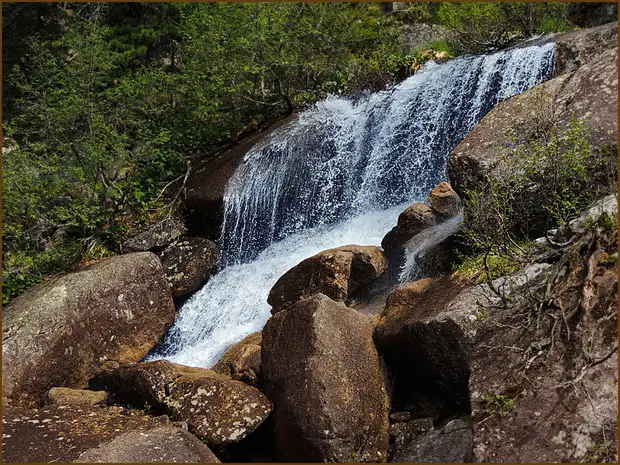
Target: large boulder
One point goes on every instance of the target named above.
(95, 434)
(576, 48)
(60, 333)
(243, 361)
(324, 376)
(537, 391)
(336, 273)
(188, 263)
(590, 94)
(156, 236)
(217, 409)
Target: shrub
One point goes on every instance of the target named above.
(478, 27)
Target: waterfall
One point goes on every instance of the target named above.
(339, 174)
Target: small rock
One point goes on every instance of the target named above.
(67, 396)
(400, 416)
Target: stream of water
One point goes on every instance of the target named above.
(339, 174)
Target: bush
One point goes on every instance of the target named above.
(479, 27)
(541, 184)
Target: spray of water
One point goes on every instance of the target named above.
(420, 244)
(339, 174)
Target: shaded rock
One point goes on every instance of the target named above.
(590, 14)
(324, 376)
(576, 48)
(188, 263)
(139, 384)
(400, 416)
(217, 409)
(61, 332)
(243, 361)
(416, 37)
(444, 200)
(62, 433)
(453, 443)
(165, 444)
(336, 273)
(156, 236)
(67, 396)
(590, 94)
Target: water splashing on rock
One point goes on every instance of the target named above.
(339, 174)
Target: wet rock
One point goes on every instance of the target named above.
(576, 48)
(156, 236)
(61, 332)
(590, 94)
(165, 444)
(218, 410)
(413, 220)
(60, 433)
(336, 273)
(243, 361)
(323, 374)
(188, 263)
(206, 185)
(67, 396)
(444, 201)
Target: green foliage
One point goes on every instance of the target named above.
(108, 101)
(483, 268)
(497, 404)
(543, 183)
(478, 27)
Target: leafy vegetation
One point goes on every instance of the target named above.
(544, 183)
(105, 104)
(478, 27)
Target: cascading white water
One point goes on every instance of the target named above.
(420, 244)
(339, 174)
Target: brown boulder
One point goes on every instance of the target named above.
(165, 444)
(95, 434)
(590, 94)
(188, 263)
(67, 396)
(217, 409)
(60, 333)
(324, 376)
(444, 200)
(243, 361)
(576, 48)
(413, 220)
(336, 273)
(533, 391)
(156, 235)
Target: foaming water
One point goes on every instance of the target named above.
(339, 174)
(237, 296)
